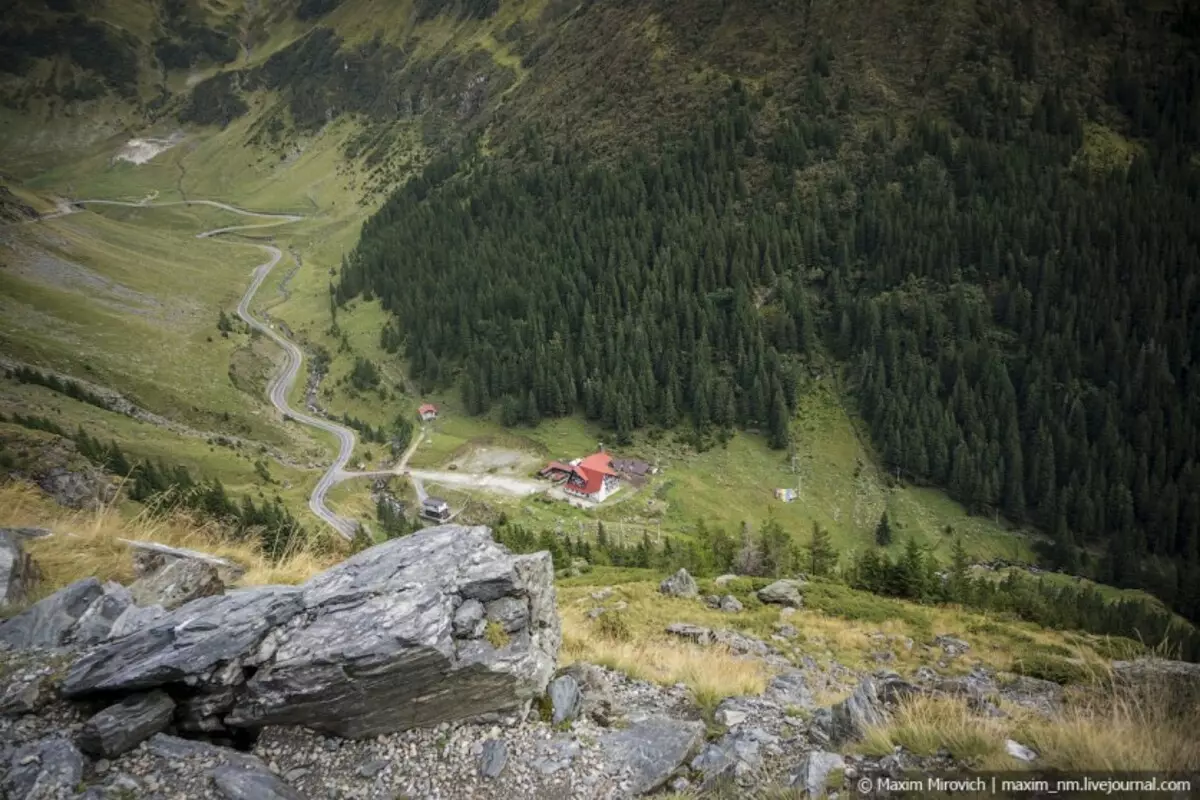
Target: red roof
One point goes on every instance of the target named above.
(557, 466)
(592, 481)
(598, 462)
(427, 408)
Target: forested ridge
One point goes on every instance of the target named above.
(1017, 318)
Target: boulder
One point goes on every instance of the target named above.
(1034, 694)
(737, 642)
(722, 580)
(236, 782)
(493, 758)
(812, 774)
(783, 593)
(18, 573)
(365, 648)
(135, 618)
(565, 699)
(43, 770)
(861, 710)
(649, 751)
(681, 584)
(122, 727)
(49, 622)
(730, 604)
(1180, 679)
(179, 582)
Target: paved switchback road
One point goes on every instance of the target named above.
(281, 384)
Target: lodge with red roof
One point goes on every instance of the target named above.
(427, 412)
(592, 478)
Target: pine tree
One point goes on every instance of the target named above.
(780, 436)
(821, 556)
(883, 531)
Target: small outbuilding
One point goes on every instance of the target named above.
(436, 509)
(427, 412)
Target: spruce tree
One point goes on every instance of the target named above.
(821, 556)
(883, 531)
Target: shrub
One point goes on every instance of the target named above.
(613, 625)
(1052, 668)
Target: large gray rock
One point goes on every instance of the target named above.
(565, 699)
(18, 573)
(1178, 679)
(43, 770)
(367, 647)
(789, 689)
(735, 641)
(784, 593)
(50, 621)
(469, 620)
(813, 773)
(681, 584)
(650, 750)
(179, 582)
(122, 727)
(134, 618)
(730, 604)
(236, 782)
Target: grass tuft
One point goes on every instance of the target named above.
(496, 635)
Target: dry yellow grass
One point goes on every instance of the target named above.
(1120, 728)
(1109, 728)
(712, 673)
(88, 543)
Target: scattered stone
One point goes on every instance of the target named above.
(789, 689)
(49, 622)
(372, 768)
(951, 646)
(784, 593)
(649, 751)
(42, 770)
(565, 699)
(361, 649)
(1019, 751)
(681, 584)
(599, 702)
(127, 724)
(236, 782)
(603, 594)
(786, 631)
(737, 754)
(18, 573)
(179, 582)
(493, 759)
(735, 641)
(730, 604)
(813, 772)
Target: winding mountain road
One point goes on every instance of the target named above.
(281, 384)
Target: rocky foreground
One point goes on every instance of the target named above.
(423, 667)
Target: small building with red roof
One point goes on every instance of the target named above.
(427, 412)
(592, 478)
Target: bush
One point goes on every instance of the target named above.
(613, 625)
(1053, 668)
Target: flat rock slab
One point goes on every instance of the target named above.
(122, 727)
(650, 750)
(236, 782)
(367, 647)
(49, 622)
(784, 592)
